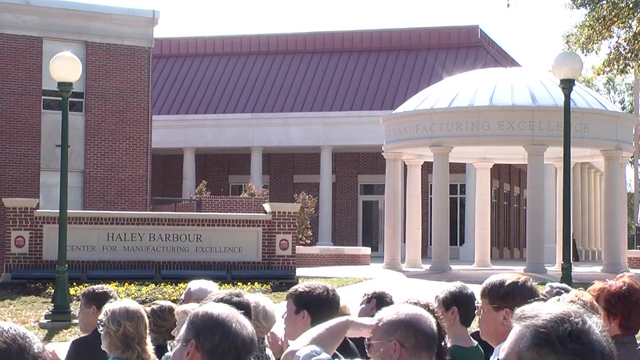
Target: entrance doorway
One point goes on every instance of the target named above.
(371, 218)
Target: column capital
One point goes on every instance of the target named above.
(483, 165)
(392, 155)
(189, 150)
(441, 150)
(326, 148)
(413, 161)
(611, 154)
(257, 149)
(592, 170)
(535, 149)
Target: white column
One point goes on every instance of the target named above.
(482, 215)
(584, 211)
(624, 229)
(440, 210)
(256, 166)
(558, 213)
(577, 207)
(550, 213)
(535, 209)
(413, 258)
(188, 172)
(611, 252)
(592, 213)
(467, 251)
(392, 225)
(598, 215)
(326, 197)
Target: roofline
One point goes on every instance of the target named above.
(356, 40)
(86, 7)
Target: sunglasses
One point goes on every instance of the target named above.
(369, 343)
(100, 326)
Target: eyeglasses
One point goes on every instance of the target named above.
(479, 307)
(369, 343)
(172, 345)
(100, 326)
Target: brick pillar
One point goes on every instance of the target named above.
(282, 227)
(20, 222)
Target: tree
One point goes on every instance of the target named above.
(201, 190)
(250, 190)
(617, 89)
(610, 27)
(307, 211)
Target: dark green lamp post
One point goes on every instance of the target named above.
(65, 68)
(567, 67)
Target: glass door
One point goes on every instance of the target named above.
(371, 223)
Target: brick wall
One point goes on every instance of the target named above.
(232, 204)
(634, 262)
(20, 119)
(312, 260)
(24, 219)
(117, 127)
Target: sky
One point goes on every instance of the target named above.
(530, 30)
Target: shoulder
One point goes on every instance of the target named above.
(311, 352)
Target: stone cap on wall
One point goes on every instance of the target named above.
(334, 250)
(281, 207)
(20, 202)
(154, 215)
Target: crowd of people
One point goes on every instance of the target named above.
(516, 320)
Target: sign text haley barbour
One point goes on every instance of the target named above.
(156, 243)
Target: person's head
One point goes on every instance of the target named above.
(236, 298)
(198, 290)
(182, 313)
(124, 329)
(233, 338)
(92, 300)
(442, 350)
(373, 301)
(17, 343)
(556, 289)
(619, 301)
(162, 321)
(263, 315)
(344, 310)
(581, 298)
(309, 304)
(500, 295)
(557, 331)
(404, 332)
(457, 305)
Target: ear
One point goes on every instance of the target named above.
(506, 316)
(94, 310)
(192, 350)
(454, 311)
(373, 303)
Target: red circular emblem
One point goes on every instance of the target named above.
(284, 244)
(19, 241)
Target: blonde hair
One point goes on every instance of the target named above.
(579, 297)
(162, 321)
(182, 313)
(344, 310)
(125, 333)
(263, 316)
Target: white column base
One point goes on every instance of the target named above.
(550, 253)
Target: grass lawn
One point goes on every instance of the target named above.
(27, 308)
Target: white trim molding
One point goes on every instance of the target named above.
(281, 207)
(334, 250)
(20, 203)
(154, 215)
(371, 179)
(347, 128)
(309, 179)
(453, 178)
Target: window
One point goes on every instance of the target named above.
(494, 217)
(50, 190)
(51, 101)
(371, 189)
(524, 208)
(516, 206)
(506, 204)
(237, 189)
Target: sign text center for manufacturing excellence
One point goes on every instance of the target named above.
(159, 243)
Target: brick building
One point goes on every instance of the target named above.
(110, 108)
(301, 112)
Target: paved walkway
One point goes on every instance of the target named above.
(418, 283)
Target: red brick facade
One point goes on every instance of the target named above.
(634, 262)
(20, 106)
(281, 168)
(117, 127)
(25, 219)
(312, 260)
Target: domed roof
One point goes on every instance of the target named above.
(502, 87)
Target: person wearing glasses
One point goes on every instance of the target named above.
(215, 331)
(124, 330)
(89, 346)
(397, 332)
(500, 296)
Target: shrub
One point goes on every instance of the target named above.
(307, 211)
(202, 190)
(250, 190)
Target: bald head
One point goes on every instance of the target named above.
(410, 325)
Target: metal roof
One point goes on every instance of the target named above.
(317, 72)
(503, 87)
